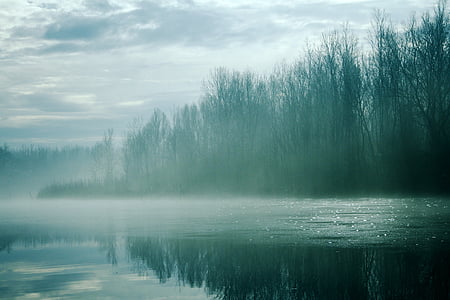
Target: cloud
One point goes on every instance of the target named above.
(156, 25)
(26, 31)
(50, 6)
(69, 47)
(187, 24)
(77, 28)
(98, 26)
(102, 6)
(49, 102)
(130, 103)
(29, 119)
(193, 27)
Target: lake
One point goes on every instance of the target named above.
(226, 248)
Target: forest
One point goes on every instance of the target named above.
(349, 117)
(25, 170)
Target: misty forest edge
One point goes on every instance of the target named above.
(338, 121)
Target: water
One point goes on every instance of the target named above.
(372, 248)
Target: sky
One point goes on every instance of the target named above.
(71, 69)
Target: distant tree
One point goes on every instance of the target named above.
(104, 160)
(5, 157)
(147, 153)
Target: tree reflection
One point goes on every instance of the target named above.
(108, 244)
(233, 270)
(240, 269)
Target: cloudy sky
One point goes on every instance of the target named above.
(70, 69)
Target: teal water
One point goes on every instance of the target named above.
(365, 248)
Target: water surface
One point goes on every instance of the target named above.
(365, 248)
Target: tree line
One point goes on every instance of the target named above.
(25, 170)
(339, 120)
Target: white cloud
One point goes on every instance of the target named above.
(19, 121)
(131, 103)
(86, 99)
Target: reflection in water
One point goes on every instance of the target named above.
(234, 270)
(109, 246)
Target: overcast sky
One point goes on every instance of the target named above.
(70, 69)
